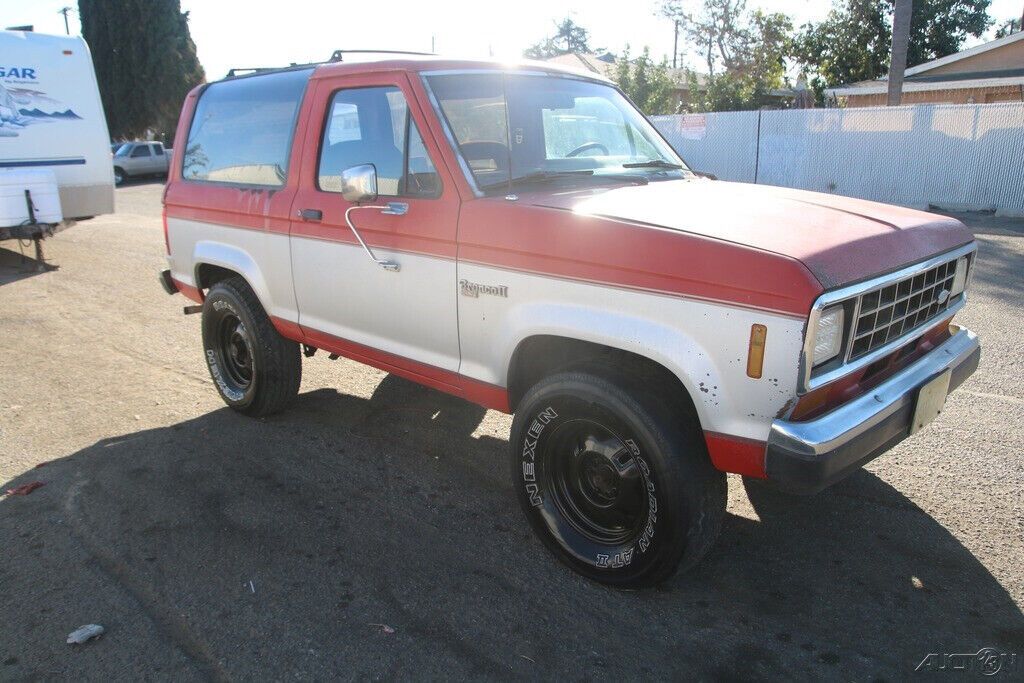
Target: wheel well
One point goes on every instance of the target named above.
(538, 357)
(208, 275)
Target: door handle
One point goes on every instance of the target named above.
(311, 214)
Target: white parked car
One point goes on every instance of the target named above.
(139, 159)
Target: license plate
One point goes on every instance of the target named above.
(931, 398)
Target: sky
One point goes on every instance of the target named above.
(253, 33)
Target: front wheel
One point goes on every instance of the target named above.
(255, 369)
(119, 176)
(617, 486)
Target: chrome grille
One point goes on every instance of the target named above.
(885, 313)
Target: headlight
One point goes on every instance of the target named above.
(828, 337)
(959, 278)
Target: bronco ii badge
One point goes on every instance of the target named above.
(467, 288)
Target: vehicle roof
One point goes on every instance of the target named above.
(357, 64)
(433, 63)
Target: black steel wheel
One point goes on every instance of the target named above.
(234, 351)
(616, 484)
(255, 369)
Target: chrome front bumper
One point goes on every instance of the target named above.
(805, 457)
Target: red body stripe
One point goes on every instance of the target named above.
(188, 290)
(736, 454)
(482, 393)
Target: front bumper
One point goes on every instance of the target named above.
(805, 457)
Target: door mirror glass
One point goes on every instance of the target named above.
(359, 183)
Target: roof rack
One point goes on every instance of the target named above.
(338, 55)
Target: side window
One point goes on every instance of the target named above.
(158, 150)
(373, 126)
(140, 151)
(241, 133)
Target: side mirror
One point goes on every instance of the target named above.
(359, 183)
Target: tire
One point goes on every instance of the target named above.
(119, 176)
(618, 486)
(256, 371)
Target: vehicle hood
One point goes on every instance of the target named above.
(841, 240)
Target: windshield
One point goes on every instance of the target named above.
(518, 128)
(123, 150)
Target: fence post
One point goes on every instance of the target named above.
(757, 147)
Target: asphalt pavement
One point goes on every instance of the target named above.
(371, 532)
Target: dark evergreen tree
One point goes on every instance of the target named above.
(145, 63)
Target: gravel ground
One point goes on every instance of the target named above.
(371, 531)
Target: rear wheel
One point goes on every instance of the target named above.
(255, 369)
(616, 485)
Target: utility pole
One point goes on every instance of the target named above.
(901, 15)
(675, 47)
(64, 11)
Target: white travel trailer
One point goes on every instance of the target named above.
(54, 146)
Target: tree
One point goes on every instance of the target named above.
(650, 85)
(853, 42)
(145, 62)
(745, 54)
(1010, 27)
(900, 39)
(569, 37)
(718, 31)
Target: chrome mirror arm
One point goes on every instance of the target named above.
(392, 209)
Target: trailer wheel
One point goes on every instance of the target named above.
(256, 370)
(616, 484)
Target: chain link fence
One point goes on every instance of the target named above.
(968, 156)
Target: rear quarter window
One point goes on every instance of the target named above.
(241, 132)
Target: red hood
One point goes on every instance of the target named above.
(841, 240)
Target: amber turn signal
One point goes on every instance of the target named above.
(755, 353)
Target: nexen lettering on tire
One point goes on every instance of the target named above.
(647, 535)
(211, 360)
(529, 453)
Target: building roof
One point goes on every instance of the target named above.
(922, 77)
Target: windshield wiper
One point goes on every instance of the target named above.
(544, 176)
(654, 163)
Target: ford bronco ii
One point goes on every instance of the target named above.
(522, 237)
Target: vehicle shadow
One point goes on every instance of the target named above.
(379, 537)
(18, 265)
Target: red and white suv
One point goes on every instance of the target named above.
(523, 237)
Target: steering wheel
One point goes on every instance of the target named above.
(588, 146)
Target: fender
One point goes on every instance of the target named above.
(704, 345)
(663, 344)
(208, 252)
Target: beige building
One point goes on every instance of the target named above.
(992, 72)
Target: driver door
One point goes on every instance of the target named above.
(401, 320)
